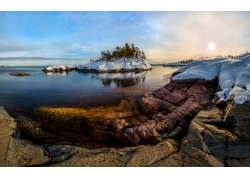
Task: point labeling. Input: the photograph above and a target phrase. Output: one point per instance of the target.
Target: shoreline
(175, 144)
(101, 71)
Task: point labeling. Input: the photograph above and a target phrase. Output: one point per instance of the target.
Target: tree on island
(126, 51)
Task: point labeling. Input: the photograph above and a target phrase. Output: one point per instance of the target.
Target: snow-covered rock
(57, 68)
(119, 64)
(233, 74)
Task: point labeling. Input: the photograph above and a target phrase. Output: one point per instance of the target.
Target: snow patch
(116, 64)
(233, 74)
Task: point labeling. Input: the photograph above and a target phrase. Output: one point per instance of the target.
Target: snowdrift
(233, 74)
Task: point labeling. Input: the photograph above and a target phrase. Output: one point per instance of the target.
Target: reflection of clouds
(121, 75)
(64, 73)
(122, 79)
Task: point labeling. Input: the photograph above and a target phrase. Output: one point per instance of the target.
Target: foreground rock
(209, 142)
(189, 131)
(94, 126)
(15, 151)
(185, 98)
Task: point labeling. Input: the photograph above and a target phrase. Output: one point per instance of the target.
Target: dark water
(75, 89)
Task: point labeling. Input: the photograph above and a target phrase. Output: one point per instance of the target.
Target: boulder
(15, 151)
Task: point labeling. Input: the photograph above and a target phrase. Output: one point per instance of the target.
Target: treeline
(205, 57)
(126, 51)
(186, 61)
(191, 60)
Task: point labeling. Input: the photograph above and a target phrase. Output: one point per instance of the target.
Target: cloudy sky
(165, 36)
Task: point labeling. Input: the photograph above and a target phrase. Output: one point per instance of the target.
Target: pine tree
(143, 55)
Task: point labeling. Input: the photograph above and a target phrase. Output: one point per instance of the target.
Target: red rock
(161, 92)
(190, 96)
(174, 98)
(119, 124)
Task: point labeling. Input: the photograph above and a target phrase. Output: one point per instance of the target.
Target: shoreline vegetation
(122, 59)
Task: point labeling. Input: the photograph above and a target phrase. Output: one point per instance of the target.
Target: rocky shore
(180, 124)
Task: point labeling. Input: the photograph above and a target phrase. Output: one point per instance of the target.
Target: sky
(164, 36)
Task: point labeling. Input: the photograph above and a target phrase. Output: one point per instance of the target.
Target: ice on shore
(233, 74)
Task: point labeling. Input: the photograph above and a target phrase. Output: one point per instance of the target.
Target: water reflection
(75, 89)
(119, 79)
(63, 73)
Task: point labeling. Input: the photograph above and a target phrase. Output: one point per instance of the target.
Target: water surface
(75, 89)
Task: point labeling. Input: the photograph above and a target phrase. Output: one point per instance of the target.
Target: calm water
(75, 89)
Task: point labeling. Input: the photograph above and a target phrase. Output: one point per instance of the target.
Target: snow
(233, 74)
(61, 67)
(121, 63)
(174, 64)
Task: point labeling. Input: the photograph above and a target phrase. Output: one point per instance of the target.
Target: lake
(75, 89)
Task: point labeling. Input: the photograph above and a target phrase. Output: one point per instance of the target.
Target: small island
(20, 74)
(4, 66)
(122, 59)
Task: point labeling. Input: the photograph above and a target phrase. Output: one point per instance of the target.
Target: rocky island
(200, 118)
(122, 59)
(19, 74)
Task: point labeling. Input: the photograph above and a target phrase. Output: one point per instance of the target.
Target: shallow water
(75, 89)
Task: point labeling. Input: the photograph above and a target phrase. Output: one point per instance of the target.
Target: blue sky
(164, 36)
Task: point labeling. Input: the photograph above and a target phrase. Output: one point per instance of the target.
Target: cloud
(163, 36)
(186, 34)
(15, 45)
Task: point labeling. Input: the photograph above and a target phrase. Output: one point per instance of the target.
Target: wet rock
(119, 124)
(185, 97)
(150, 105)
(174, 98)
(101, 125)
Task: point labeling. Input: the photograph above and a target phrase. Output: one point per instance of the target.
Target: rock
(94, 126)
(174, 98)
(15, 151)
(119, 124)
(104, 157)
(59, 153)
(188, 97)
(19, 74)
(237, 119)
